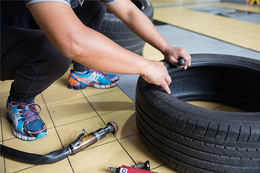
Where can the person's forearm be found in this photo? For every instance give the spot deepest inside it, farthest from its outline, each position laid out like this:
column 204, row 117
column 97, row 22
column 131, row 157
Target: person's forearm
column 83, row 44
column 100, row 53
column 141, row 25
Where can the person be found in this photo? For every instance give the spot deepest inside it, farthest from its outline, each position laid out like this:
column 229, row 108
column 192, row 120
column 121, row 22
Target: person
column 39, row 38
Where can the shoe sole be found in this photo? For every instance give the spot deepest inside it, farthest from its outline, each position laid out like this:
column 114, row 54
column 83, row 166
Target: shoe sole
column 94, row 85
column 77, row 87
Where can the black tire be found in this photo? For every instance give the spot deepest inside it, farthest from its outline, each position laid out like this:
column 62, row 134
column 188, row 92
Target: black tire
column 117, row 31
column 193, row 139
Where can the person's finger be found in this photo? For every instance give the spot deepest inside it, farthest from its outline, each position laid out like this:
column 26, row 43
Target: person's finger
column 168, row 80
column 165, row 86
column 187, row 58
column 173, row 61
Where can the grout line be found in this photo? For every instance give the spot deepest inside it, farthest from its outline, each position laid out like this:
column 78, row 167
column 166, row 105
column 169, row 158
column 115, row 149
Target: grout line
column 93, row 107
column 2, row 133
column 125, row 150
column 25, row 168
column 56, row 131
column 123, row 90
column 128, row 136
column 159, row 166
column 113, row 134
column 72, row 122
column 109, row 112
column 84, row 96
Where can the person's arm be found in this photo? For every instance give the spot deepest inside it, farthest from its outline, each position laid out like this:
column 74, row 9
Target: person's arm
column 90, row 48
column 140, row 24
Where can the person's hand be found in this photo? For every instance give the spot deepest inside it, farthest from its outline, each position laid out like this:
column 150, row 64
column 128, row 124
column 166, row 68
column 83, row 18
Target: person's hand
column 172, row 54
column 155, row 72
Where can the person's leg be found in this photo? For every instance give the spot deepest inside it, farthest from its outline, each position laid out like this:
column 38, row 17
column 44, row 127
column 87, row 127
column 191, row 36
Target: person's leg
column 91, row 14
column 29, row 58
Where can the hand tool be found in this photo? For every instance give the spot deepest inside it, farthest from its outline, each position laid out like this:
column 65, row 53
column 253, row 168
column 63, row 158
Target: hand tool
column 83, row 141
column 145, row 165
column 181, row 62
column 128, row 169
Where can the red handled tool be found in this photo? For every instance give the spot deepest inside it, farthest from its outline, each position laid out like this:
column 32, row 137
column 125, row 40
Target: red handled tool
column 128, row 169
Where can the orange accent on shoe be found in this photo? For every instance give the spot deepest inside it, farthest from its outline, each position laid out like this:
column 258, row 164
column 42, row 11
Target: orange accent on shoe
column 73, row 82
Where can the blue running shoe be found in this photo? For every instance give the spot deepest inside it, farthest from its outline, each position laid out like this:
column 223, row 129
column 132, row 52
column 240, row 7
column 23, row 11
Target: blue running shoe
column 27, row 123
column 92, row 78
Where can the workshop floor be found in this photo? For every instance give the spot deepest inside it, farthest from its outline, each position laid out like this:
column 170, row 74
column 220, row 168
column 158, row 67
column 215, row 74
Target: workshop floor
column 66, row 112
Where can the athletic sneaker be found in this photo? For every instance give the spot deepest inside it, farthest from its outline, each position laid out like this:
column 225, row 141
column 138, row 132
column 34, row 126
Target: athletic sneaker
column 27, row 123
column 92, row 78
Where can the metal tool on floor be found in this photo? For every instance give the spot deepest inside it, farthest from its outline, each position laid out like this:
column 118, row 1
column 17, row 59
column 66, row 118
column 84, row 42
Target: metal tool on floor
column 83, row 141
column 139, row 168
column 145, row 165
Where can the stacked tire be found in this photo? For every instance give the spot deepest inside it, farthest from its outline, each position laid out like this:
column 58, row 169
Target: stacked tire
column 193, row 139
column 117, row 31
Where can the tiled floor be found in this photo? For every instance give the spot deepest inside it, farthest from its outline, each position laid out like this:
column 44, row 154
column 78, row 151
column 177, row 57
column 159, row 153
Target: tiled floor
column 66, row 112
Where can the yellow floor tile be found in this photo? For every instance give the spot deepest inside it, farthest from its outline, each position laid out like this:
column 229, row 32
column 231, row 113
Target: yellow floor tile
column 71, row 111
column 164, row 169
column 138, row 151
column 1, row 135
column 6, row 129
column 219, row 27
column 91, row 91
column 97, row 160
column 40, row 146
column 125, row 120
column 5, row 88
column 58, row 95
column 60, row 167
column 215, row 106
column 58, row 92
column 111, row 101
column 157, row 3
column 205, row 104
column 241, row 7
column 256, row 48
column 251, row 42
column 229, row 109
column 2, row 166
column 151, row 53
column 2, row 106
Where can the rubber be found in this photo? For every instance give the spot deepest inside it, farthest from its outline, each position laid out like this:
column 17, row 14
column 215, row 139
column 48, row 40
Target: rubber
column 117, row 31
column 31, row 158
column 193, row 139
column 115, row 126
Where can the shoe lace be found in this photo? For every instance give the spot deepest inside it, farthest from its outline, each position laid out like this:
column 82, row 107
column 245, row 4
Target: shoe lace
column 98, row 72
column 30, row 114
